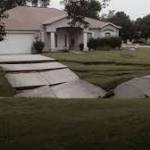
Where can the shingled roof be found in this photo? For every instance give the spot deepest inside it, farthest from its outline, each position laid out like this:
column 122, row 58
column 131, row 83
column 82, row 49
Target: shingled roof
column 31, row 18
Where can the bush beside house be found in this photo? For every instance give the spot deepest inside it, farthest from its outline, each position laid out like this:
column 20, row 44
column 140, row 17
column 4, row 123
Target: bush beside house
column 112, row 42
column 81, row 46
column 38, row 46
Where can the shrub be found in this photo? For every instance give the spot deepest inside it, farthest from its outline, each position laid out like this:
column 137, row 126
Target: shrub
column 104, row 42
column 38, row 46
column 92, row 44
column 81, row 46
column 112, row 42
column 115, row 42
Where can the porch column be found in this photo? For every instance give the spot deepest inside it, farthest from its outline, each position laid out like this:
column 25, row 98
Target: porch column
column 85, row 41
column 92, row 34
column 42, row 36
column 52, row 38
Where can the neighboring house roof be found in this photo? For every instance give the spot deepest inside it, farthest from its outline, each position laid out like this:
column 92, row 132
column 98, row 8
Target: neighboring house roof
column 31, row 18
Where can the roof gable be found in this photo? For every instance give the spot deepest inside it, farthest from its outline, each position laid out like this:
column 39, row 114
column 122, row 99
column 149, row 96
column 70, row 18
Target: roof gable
column 111, row 24
column 93, row 22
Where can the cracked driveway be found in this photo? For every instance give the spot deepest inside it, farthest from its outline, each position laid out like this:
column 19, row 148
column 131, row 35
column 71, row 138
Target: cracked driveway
column 40, row 76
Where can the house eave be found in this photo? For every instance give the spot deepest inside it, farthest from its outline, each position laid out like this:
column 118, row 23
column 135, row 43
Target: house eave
column 21, row 31
column 109, row 23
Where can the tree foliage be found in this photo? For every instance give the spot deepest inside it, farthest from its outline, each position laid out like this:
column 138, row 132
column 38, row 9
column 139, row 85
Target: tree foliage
column 77, row 12
column 42, row 3
column 123, row 20
column 2, row 16
column 142, row 26
column 94, row 7
column 8, row 4
column 79, row 9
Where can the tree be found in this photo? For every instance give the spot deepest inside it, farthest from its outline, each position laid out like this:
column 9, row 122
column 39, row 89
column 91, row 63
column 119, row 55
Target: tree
column 45, row 3
column 123, row 20
column 13, row 3
column 106, row 17
column 143, row 26
column 2, row 16
column 79, row 9
column 94, row 7
column 105, row 3
column 42, row 3
column 137, row 28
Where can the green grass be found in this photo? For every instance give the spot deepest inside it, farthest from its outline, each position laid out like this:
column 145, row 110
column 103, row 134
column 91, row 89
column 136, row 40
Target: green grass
column 89, row 124
column 5, row 89
column 107, row 68
column 50, row 124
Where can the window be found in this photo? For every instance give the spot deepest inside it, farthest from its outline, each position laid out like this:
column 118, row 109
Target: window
column 107, row 34
column 90, row 36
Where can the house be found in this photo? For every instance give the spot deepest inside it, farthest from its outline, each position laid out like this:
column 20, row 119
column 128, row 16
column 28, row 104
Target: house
column 25, row 24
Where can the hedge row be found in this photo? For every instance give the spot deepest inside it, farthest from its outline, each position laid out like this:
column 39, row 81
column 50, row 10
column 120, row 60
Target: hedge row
column 113, row 42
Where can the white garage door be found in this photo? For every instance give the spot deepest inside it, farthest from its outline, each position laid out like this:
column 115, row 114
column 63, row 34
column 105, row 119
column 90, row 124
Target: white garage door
column 16, row 44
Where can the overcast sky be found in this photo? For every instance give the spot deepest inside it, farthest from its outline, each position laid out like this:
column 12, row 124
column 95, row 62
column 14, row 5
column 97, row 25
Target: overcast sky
column 134, row 8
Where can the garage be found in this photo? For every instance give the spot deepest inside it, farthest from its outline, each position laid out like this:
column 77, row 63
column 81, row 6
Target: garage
column 16, row 43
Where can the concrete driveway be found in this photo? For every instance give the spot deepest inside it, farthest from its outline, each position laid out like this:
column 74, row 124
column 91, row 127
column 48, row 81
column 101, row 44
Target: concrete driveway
column 40, row 76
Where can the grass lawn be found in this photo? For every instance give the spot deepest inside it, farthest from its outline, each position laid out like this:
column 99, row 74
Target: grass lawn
column 107, row 68
column 5, row 89
column 89, row 124
column 48, row 124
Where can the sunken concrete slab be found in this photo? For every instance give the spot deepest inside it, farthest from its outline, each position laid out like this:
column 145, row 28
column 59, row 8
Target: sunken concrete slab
column 42, row 92
column 143, row 84
column 59, row 76
column 146, row 77
column 40, row 76
column 78, row 89
column 24, row 80
column 135, row 88
column 128, row 91
column 32, row 67
column 5, row 59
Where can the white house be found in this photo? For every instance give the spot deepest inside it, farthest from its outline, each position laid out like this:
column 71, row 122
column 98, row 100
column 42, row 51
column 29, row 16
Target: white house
column 24, row 24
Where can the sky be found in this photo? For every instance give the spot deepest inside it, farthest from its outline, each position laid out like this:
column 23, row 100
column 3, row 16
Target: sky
column 134, row 8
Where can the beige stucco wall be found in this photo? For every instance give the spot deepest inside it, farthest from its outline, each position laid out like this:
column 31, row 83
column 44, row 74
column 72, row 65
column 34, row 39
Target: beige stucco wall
column 61, row 40
column 59, row 28
column 58, row 24
column 100, row 33
column 77, row 36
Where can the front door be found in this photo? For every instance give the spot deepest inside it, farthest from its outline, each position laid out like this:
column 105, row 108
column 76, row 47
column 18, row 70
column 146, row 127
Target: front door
column 75, row 38
column 72, row 41
column 72, row 44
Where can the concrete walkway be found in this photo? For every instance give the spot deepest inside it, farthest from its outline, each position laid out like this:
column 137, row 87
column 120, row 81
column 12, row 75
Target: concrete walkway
column 40, row 76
